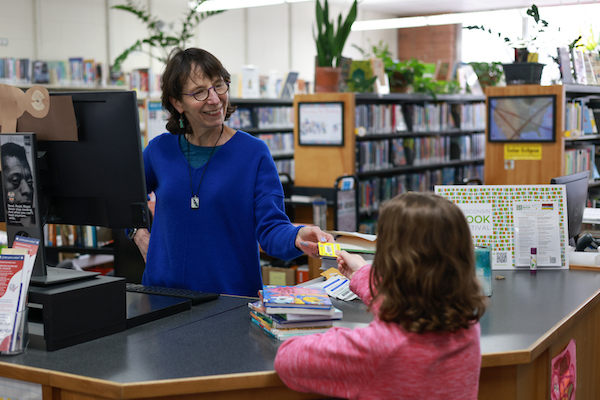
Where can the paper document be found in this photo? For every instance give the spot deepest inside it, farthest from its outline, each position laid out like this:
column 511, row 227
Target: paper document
column 591, row 215
column 536, row 226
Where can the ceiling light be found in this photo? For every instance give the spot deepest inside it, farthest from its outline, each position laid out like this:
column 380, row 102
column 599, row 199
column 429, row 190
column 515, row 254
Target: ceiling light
column 215, row 5
column 468, row 18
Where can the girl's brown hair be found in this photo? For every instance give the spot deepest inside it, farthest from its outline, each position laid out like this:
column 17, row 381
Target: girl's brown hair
column 182, row 64
column 423, row 273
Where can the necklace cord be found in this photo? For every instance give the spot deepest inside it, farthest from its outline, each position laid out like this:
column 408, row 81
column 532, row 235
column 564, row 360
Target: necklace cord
column 205, row 168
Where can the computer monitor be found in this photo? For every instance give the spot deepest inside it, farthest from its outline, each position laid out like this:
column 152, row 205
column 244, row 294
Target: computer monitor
column 576, row 187
column 97, row 180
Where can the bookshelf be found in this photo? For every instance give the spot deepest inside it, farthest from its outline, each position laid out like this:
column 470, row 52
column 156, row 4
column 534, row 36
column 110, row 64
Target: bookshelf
column 396, row 143
column 553, row 158
column 271, row 120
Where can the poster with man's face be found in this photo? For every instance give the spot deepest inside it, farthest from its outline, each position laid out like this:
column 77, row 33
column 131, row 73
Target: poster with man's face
column 18, row 179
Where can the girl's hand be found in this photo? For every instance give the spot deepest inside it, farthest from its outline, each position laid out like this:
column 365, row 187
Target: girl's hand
column 348, row 263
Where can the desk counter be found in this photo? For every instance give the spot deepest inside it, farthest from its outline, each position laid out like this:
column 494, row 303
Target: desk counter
column 214, row 351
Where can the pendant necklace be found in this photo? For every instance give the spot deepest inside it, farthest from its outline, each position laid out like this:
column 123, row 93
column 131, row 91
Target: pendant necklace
column 195, row 202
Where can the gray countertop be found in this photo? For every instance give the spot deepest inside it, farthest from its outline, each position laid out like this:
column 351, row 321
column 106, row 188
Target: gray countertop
column 218, row 337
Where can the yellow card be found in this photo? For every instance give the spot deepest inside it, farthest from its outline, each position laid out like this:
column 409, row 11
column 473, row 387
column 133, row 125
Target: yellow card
column 331, row 272
column 328, row 249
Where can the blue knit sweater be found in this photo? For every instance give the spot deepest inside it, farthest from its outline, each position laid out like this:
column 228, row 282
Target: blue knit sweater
column 215, row 248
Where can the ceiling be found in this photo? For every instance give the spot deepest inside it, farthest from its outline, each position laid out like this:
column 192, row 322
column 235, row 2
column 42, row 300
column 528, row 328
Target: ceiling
column 405, row 8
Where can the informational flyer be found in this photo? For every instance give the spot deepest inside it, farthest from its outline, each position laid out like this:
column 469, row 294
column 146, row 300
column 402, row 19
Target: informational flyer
column 11, row 267
column 536, row 227
column 496, row 222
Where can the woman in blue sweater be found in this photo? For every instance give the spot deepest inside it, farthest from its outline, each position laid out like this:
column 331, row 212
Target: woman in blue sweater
column 218, row 194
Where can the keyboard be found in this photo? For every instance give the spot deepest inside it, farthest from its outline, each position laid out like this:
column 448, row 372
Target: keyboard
column 195, row 296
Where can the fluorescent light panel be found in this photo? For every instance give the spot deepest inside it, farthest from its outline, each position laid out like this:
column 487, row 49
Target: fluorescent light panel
column 214, row 5
column 469, row 18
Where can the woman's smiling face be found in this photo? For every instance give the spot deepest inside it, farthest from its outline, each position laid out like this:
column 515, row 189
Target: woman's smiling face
column 205, row 114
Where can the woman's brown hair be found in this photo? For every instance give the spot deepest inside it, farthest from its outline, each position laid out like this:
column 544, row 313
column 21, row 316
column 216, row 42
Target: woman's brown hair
column 181, row 65
column 423, row 273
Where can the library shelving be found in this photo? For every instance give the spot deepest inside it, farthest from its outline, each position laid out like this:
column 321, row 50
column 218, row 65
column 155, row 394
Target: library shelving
column 571, row 151
column 396, row 143
column 271, row 120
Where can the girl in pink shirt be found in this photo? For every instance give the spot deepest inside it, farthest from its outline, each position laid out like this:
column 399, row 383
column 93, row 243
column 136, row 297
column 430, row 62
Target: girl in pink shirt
column 422, row 288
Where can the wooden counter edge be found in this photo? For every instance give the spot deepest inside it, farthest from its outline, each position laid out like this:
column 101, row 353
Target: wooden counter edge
column 24, row 373
column 203, row 384
column 168, row 388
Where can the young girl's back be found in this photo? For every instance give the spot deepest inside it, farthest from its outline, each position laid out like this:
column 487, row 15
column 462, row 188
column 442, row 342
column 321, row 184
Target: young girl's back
column 424, row 341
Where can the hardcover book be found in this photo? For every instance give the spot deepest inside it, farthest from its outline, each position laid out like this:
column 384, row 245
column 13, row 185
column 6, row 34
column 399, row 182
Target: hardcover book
column 295, row 297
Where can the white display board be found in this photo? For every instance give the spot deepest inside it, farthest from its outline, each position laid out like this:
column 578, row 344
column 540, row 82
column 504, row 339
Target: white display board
column 513, row 219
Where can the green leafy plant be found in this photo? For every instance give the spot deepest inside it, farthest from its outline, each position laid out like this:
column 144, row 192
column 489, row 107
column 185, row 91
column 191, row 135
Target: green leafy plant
column 158, row 39
column 329, row 40
column 530, row 43
column 399, row 72
column 432, row 87
column 488, row 74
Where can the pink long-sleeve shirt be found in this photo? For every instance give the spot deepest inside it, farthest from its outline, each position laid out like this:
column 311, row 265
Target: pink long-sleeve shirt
column 382, row 361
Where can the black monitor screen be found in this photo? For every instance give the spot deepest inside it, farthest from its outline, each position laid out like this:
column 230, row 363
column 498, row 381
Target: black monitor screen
column 99, row 179
column 576, row 187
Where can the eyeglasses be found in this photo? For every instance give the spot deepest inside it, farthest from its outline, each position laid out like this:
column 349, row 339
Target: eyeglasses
column 202, row 94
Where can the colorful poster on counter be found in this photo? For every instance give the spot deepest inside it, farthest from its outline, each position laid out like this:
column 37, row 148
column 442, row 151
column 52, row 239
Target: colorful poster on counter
column 490, row 211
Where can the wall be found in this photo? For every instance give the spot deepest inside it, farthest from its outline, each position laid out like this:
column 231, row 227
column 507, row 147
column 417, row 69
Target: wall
column 430, row 43
column 271, row 37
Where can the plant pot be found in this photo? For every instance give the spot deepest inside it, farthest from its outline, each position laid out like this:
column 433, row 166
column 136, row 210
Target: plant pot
column 523, row 73
column 327, row 79
column 521, row 55
column 398, row 83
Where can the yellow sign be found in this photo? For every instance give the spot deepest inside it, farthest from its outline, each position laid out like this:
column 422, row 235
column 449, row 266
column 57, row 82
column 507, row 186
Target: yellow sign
column 523, row 151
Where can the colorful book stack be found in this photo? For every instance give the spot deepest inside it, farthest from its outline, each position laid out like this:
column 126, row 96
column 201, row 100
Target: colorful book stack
column 287, row 311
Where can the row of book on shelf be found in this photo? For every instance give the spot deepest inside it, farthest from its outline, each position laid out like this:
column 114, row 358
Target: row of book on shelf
column 579, row 67
column 262, row 118
column 428, row 117
column 76, row 71
column 580, row 118
column 57, row 235
column 581, row 158
column 374, row 191
column 281, row 143
column 377, row 155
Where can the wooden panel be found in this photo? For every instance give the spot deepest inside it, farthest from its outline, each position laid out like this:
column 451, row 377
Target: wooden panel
column 526, row 172
column 320, row 166
column 498, row 383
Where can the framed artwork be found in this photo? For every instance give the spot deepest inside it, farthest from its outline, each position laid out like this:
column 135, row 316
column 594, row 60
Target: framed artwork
column 321, row 124
column 522, row 118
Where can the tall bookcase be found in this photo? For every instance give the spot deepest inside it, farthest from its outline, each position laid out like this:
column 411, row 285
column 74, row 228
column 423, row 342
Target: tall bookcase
column 551, row 164
column 396, row 143
column 271, row 120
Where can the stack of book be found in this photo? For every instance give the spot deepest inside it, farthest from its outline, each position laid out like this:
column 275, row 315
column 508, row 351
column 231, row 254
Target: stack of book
column 287, row 311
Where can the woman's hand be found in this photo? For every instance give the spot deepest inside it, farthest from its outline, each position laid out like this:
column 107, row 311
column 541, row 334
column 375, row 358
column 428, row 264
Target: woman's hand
column 348, row 263
column 308, row 238
column 142, row 239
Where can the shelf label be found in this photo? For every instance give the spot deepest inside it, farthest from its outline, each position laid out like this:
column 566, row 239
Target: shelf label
column 523, row 151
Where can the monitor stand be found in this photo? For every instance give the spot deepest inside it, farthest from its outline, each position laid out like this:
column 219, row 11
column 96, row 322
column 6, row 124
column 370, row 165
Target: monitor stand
column 56, row 276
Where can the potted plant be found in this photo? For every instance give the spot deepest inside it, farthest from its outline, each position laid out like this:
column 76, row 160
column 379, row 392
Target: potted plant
column 401, row 74
column 525, row 69
column 488, row 74
column 157, row 38
column 330, row 42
